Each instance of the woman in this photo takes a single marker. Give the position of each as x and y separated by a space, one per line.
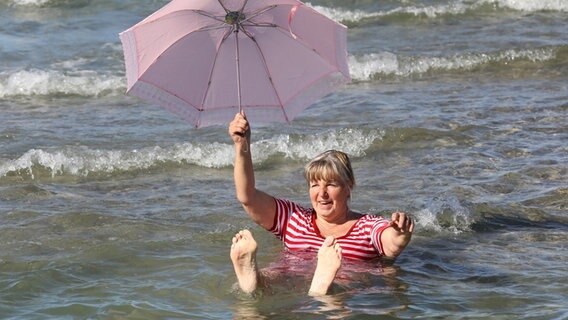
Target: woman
330 227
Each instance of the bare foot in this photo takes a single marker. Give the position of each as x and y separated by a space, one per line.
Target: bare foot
329 261
243 255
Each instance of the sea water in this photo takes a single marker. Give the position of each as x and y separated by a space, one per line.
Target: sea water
113 208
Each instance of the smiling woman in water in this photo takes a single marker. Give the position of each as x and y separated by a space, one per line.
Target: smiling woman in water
330 227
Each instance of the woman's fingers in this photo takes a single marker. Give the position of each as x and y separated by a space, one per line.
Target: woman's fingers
402 222
239 126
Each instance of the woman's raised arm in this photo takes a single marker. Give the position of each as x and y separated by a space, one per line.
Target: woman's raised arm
260 206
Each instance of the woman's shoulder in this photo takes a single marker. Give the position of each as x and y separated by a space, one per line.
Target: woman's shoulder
293 207
371 219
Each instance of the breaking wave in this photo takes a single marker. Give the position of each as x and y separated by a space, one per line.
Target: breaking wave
433 11
445 214
52 82
346 15
48 3
366 67
371 66
83 161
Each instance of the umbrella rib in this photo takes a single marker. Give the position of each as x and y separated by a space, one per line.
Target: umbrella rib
208 28
223 6
243 6
257 24
268 73
180 12
278 27
301 42
209 15
258 12
272 25
227 34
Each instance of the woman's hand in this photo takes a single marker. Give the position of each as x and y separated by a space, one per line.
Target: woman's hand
239 129
398 235
402 223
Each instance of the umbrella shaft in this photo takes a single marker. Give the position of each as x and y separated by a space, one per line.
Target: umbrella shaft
238 69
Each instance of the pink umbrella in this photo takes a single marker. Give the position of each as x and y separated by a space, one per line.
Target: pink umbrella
206 60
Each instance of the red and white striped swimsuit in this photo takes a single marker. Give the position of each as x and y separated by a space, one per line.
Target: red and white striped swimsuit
296 227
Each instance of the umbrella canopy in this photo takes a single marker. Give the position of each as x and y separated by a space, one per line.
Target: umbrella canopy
206 60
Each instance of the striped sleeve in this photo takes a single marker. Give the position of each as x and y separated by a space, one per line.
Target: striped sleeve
377 231
284 209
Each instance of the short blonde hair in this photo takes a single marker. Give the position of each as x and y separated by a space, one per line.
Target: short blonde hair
331 165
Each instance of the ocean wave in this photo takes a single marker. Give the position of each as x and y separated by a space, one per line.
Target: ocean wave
49 3
531 5
371 66
29 2
445 214
60 81
53 82
351 17
83 161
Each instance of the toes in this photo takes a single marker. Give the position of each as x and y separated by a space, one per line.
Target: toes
245 233
329 241
238 236
242 235
337 249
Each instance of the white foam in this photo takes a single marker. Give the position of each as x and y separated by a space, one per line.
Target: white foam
366 66
358 15
453 8
44 3
42 82
444 215
30 2
338 14
84 161
351 141
532 5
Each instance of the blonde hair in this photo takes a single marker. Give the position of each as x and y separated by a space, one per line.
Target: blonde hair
331 165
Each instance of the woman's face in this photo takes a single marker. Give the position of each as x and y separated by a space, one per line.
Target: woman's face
329 199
